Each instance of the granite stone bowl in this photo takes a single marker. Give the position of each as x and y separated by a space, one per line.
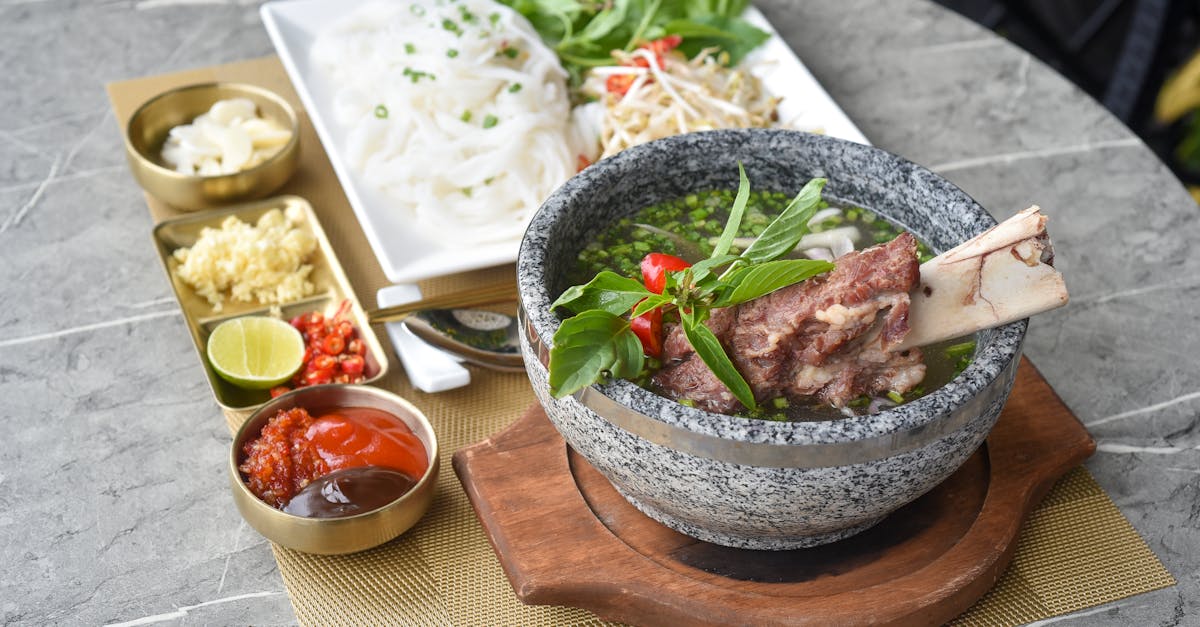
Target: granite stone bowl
752 483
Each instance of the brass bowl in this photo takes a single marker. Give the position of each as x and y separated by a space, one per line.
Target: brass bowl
334 536
148 128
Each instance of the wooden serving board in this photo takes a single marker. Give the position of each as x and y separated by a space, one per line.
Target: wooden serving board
566 537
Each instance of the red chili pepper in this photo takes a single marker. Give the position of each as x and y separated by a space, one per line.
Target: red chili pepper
333 344
582 162
655 267
353 365
648 328
663 45
620 83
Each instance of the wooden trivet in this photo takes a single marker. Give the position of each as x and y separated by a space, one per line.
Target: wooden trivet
566 537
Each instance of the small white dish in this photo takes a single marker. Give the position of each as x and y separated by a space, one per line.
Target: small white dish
428 368
404 254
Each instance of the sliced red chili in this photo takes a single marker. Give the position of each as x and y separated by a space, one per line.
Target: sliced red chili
648 328
655 267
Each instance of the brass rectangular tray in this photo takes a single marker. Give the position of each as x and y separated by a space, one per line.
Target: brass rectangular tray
332 287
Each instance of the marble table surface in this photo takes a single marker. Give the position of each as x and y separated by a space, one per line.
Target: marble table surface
112 460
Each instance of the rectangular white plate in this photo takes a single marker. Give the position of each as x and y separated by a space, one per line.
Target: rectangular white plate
404 255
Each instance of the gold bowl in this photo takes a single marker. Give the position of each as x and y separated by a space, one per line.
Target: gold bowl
333 536
148 128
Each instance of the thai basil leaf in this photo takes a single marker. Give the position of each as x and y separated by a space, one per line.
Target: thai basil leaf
749 282
782 235
735 215
606 21
609 292
740 37
704 268
709 348
590 347
651 302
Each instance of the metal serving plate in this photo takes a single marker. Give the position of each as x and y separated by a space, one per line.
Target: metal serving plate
332 287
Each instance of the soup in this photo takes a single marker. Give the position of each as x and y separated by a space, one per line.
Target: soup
690 227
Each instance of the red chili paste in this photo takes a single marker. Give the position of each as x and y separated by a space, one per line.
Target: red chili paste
362 436
295 449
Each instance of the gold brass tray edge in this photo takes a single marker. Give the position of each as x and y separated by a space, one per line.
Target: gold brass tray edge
338 290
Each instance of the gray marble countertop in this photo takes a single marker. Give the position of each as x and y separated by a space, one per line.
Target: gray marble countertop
114 449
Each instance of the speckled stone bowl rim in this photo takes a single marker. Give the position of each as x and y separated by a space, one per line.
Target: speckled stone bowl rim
1002 347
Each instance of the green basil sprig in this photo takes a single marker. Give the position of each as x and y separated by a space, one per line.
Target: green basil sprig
598 343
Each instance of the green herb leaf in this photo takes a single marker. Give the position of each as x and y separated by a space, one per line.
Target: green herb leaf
746 283
703 269
609 292
965 349
490 120
606 21
782 235
591 347
738 37
735 214
651 302
709 348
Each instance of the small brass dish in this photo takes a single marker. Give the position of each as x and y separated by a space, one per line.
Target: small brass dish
332 288
335 536
148 128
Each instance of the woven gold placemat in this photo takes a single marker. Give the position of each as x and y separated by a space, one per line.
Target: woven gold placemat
1076 551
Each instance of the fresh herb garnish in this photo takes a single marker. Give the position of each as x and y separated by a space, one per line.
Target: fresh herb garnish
452 26
603 345
451 53
490 120
962 354
409 48
381 112
510 52
466 116
416 75
514 88
584 34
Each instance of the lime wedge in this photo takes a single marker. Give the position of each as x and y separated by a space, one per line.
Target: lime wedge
255 352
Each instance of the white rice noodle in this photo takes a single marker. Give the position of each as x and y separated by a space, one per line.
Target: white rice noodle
406 133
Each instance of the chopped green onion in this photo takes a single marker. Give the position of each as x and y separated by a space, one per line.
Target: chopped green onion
381 112
466 192
510 52
514 88
452 53
780 402
965 349
417 9
895 396
494 18
687 402
466 116
409 48
452 26
489 121
488 180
